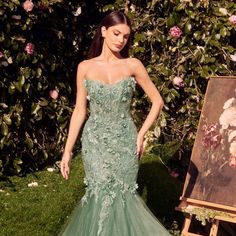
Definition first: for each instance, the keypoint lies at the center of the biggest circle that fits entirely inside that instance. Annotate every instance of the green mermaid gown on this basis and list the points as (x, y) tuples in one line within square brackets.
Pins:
[(111, 205)]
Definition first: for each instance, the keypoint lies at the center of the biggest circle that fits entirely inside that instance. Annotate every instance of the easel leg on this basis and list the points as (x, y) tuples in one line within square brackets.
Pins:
[(214, 228), (187, 223)]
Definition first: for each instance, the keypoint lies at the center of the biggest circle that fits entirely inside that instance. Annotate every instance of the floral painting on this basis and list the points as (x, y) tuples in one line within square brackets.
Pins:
[(212, 171)]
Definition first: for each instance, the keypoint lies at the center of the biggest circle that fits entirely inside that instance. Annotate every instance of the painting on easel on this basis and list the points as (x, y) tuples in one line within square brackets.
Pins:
[(212, 171)]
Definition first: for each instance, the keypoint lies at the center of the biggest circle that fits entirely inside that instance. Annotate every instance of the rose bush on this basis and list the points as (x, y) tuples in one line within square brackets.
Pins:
[(40, 47), (179, 40)]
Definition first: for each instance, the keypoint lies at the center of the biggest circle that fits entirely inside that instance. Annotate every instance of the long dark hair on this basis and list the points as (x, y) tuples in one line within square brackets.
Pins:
[(113, 18)]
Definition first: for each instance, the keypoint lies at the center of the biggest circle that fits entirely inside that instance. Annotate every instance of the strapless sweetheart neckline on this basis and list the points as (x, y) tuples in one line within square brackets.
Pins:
[(113, 84)]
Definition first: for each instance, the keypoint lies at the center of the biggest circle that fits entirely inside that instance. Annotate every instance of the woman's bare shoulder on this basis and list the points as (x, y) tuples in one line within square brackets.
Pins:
[(85, 65), (134, 62)]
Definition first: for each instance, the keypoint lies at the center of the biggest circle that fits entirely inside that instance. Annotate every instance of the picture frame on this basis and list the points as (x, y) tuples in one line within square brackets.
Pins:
[(211, 177)]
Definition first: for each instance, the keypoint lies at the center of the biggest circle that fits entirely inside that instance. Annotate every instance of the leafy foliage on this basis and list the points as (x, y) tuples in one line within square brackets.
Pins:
[(205, 47), (39, 56)]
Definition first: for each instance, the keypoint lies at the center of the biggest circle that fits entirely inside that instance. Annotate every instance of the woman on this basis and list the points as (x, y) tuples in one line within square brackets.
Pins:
[(111, 145)]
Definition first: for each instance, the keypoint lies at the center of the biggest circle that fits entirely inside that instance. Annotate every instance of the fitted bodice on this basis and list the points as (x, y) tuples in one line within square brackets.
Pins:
[(110, 101)]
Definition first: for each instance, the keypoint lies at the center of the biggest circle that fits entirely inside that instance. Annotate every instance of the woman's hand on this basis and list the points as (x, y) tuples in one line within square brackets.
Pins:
[(140, 147), (65, 165)]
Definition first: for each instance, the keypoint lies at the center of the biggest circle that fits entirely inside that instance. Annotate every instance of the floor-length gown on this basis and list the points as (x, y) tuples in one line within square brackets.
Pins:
[(111, 205)]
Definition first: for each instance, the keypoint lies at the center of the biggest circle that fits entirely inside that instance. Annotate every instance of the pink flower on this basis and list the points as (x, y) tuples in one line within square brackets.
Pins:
[(174, 174), (232, 19), (54, 94), (232, 161), (29, 48), (28, 5), (1, 54), (175, 32), (178, 81), (211, 138)]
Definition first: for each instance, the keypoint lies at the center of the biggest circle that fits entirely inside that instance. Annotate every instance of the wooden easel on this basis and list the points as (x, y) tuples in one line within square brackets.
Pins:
[(228, 214), (221, 212)]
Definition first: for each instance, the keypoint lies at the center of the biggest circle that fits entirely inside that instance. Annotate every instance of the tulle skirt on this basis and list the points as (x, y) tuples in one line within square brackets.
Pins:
[(127, 216)]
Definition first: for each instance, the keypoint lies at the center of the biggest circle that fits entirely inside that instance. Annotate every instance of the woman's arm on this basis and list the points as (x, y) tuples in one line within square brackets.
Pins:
[(150, 89), (77, 119)]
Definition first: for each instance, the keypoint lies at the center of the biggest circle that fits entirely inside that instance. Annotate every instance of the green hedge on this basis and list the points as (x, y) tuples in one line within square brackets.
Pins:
[(39, 52), (182, 44)]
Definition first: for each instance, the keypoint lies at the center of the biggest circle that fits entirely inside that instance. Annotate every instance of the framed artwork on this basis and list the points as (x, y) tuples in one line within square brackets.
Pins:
[(211, 175)]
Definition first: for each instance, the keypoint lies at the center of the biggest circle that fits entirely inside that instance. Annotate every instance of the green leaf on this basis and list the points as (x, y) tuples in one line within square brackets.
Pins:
[(35, 108), (223, 32), (162, 121), (8, 27), (38, 72), (11, 88), (170, 21), (28, 21), (197, 35), (53, 67), (4, 129), (29, 142), (45, 154), (187, 28), (22, 80), (183, 109), (174, 94), (17, 162), (27, 87), (19, 108), (43, 102), (39, 115), (229, 48), (180, 6), (35, 60), (18, 119), (7, 119), (157, 131), (39, 86)]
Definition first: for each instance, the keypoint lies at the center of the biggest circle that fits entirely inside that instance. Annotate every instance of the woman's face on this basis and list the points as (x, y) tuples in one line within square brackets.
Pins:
[(116, 37)]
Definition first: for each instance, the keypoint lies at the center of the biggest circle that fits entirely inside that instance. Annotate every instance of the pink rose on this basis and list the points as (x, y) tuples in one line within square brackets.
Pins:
[(174, 174), (1, 54), (28, 5), (232, 19), (178, 81), (232, 161), (175, 32), (54, 94), (29, 48)]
